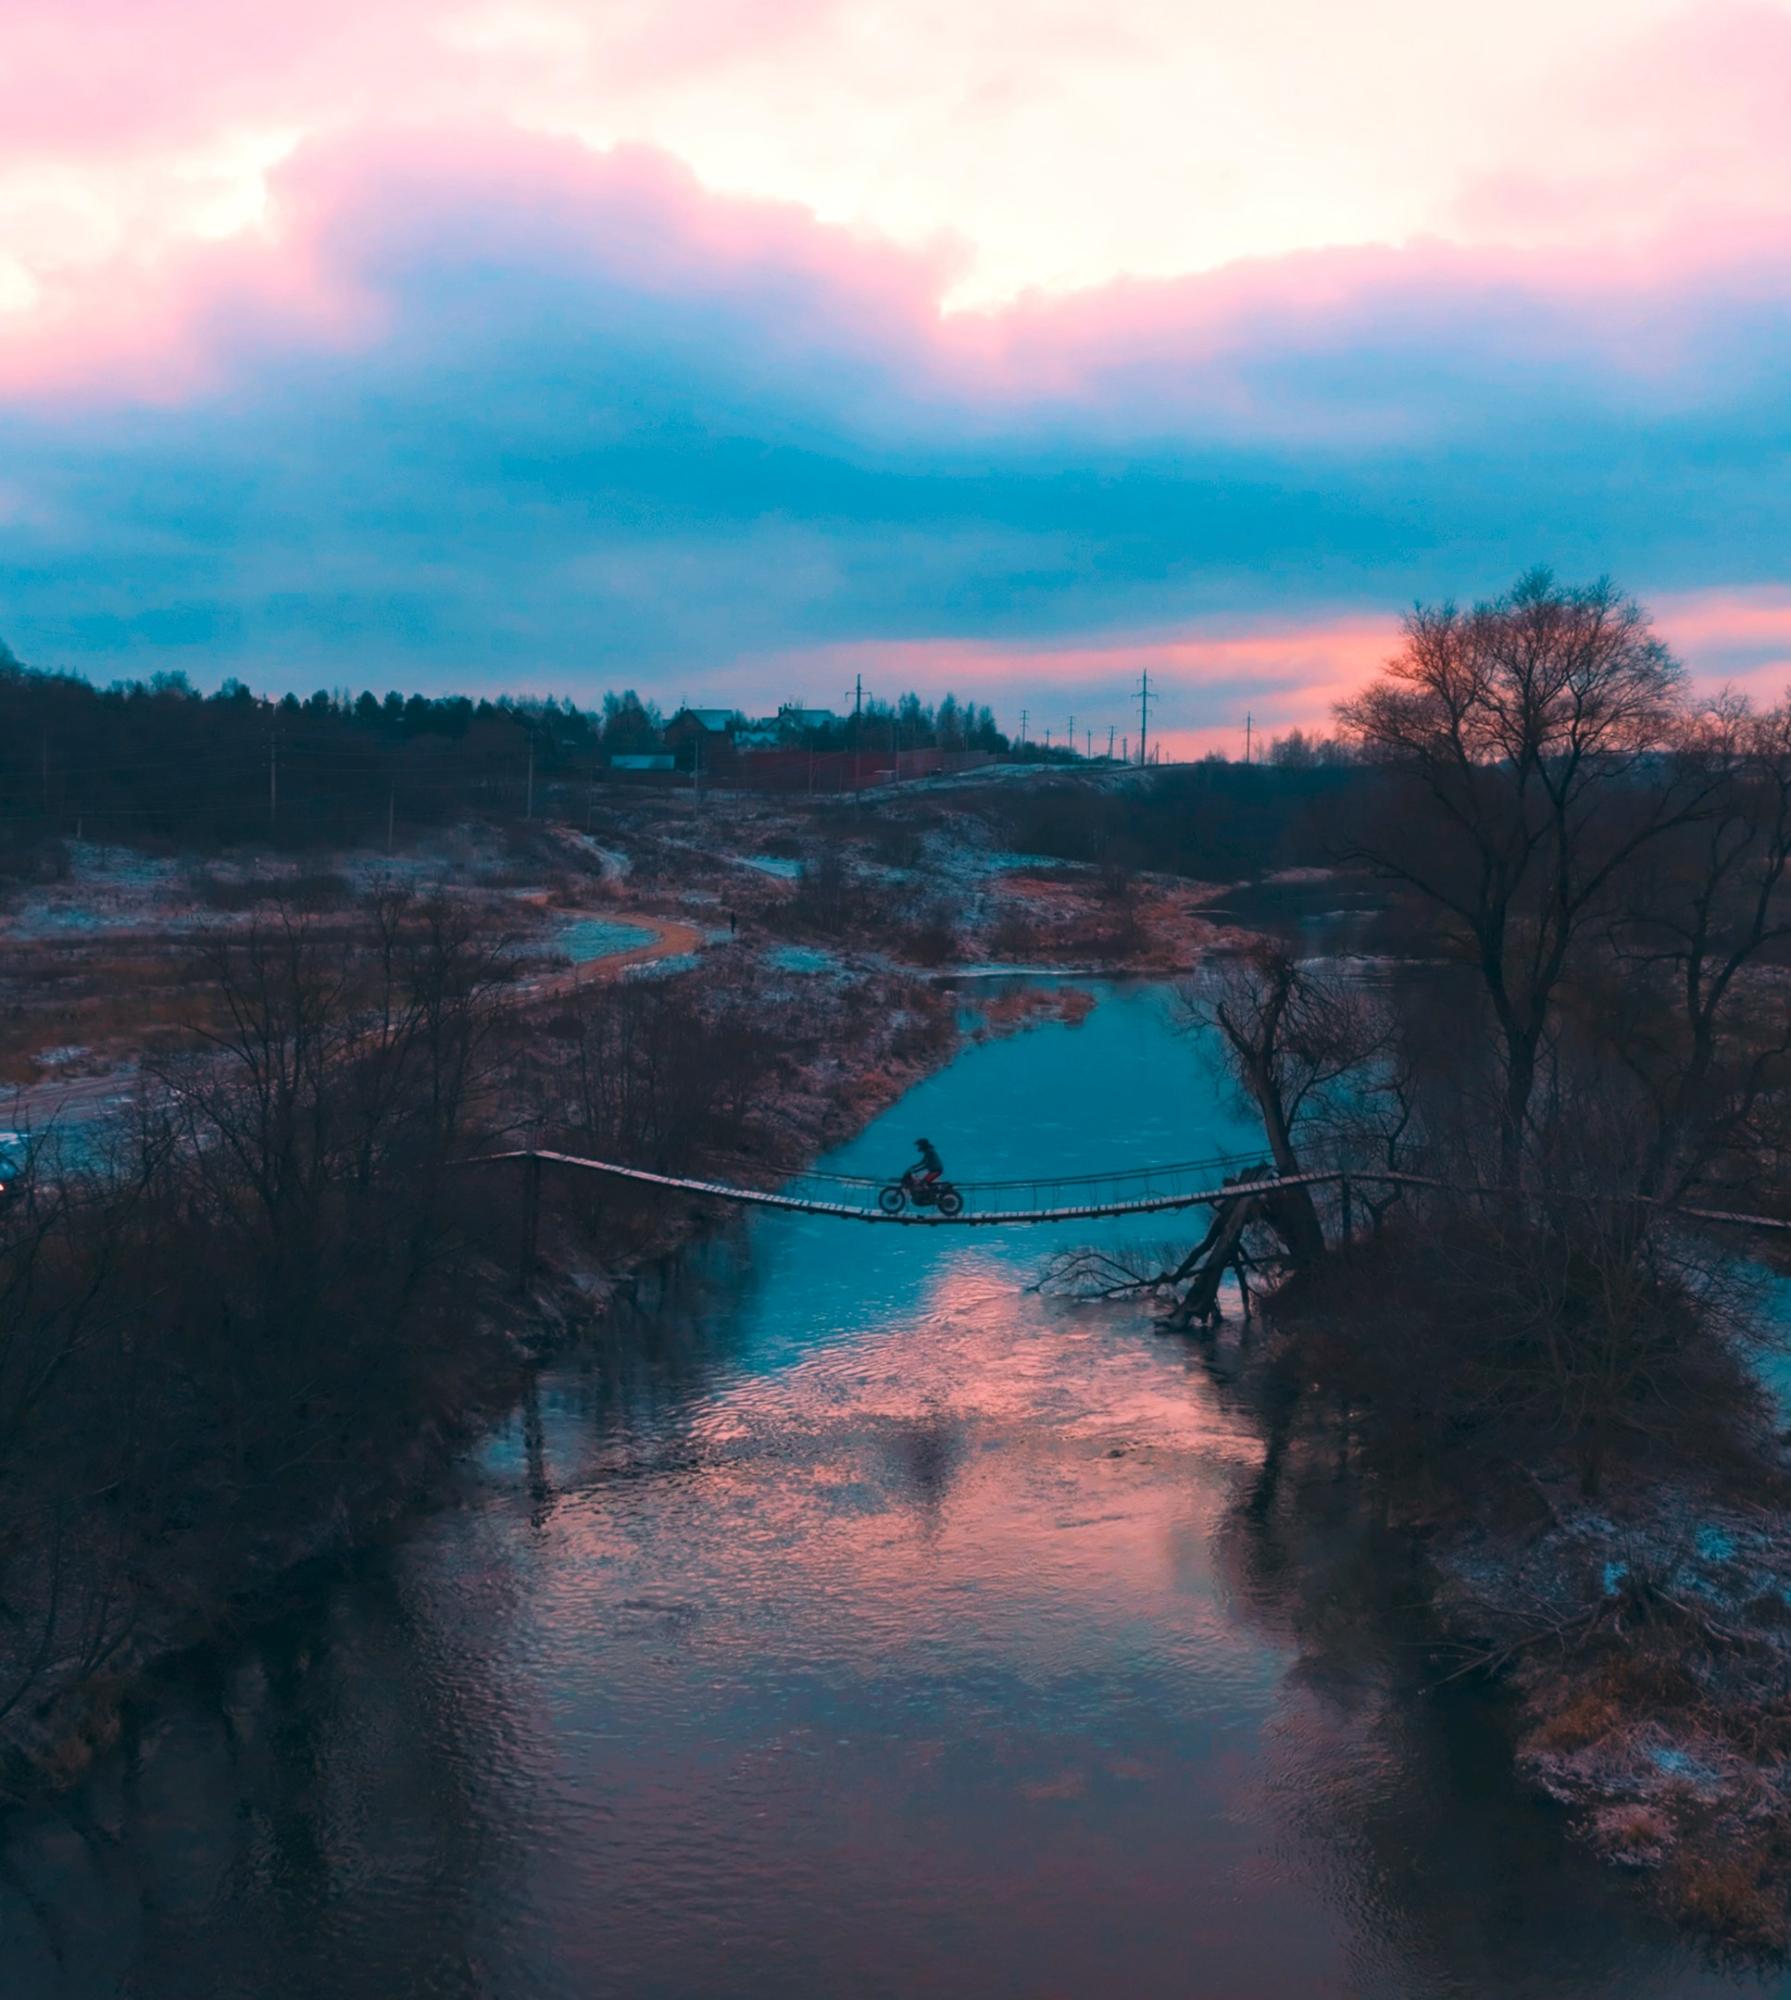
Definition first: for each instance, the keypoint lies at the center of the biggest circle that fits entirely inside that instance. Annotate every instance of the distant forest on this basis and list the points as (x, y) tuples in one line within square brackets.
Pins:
[(155, 760)]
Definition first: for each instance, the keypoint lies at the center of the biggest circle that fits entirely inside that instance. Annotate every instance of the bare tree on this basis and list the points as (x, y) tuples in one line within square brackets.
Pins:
[(1522, 730), (1291, 1035), (1714, 902)]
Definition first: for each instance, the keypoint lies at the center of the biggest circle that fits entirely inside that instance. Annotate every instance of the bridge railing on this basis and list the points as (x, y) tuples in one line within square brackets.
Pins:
[(1339, 1191), (1074, 1188)]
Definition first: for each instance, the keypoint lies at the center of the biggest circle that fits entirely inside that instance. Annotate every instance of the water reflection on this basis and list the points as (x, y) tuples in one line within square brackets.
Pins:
[(847, 1619), (1461, 1881)]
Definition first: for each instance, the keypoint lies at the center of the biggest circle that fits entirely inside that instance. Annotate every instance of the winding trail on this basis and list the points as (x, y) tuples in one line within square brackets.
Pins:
[(672, 938)]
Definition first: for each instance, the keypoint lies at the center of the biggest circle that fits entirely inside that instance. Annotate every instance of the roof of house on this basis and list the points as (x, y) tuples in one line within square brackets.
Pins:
[(707, 718)]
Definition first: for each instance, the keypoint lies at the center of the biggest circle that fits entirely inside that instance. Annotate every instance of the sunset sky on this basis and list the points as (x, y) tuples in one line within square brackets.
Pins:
[(729, 348)]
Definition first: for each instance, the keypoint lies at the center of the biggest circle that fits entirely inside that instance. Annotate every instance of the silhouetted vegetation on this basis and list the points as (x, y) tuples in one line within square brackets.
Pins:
[(156, 761), (1213, 821), (1594, 871), (237, 1327), (221, 1333), (1533, 1346)]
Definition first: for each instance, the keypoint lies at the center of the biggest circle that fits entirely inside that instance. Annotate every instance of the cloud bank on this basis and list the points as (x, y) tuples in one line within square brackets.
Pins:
[(469, 405)]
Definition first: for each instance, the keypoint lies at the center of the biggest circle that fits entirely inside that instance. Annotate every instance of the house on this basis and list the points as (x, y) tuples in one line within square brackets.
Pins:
[(702, 737), (794, 720), (691, 723)]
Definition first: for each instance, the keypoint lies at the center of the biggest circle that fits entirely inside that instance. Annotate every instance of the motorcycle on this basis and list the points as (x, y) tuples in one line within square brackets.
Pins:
[(913, 1188)]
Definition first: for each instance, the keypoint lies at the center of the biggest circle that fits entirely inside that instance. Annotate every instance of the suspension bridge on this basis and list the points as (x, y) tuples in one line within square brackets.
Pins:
[(1091, 1197), (1154, 1190), (1250, 1191)]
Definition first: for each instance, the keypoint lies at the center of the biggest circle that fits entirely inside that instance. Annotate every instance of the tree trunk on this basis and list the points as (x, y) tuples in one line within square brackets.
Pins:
[(1291, 1211), (1520, 1083)]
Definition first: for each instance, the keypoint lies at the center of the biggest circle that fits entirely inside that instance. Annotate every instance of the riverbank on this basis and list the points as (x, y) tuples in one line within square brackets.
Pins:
[(1634, 1605), (1648, 1640), (825, 1060)]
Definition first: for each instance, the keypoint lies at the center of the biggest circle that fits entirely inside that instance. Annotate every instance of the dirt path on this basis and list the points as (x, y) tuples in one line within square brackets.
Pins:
[(673, 938)]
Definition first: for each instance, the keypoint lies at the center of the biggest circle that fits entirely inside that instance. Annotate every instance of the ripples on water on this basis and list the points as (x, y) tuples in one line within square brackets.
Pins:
[(849, 1621)]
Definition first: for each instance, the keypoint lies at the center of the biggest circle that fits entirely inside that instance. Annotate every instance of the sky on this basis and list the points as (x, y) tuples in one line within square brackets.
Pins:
[(730, 349)]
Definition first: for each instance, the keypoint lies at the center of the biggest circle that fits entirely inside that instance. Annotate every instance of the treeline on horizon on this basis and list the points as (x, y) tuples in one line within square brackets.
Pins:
[(156, 760)]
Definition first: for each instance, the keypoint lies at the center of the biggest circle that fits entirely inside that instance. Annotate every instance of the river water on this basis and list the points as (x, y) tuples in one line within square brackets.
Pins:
[(849, 1619)]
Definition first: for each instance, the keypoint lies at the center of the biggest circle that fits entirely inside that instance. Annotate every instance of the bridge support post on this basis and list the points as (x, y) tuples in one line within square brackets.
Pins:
[(531, 1221)]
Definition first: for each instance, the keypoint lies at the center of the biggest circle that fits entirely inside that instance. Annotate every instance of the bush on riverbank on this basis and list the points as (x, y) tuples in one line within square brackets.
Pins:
[(1581, 1344), (1567, 1411), (230, 1336), (720, 1072)]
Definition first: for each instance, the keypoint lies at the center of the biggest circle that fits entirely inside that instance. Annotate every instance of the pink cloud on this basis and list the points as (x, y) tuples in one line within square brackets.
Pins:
[(86, 77), (1675, 138), (1737, 636), (1251, 350), (1665, 173), (348, 219)]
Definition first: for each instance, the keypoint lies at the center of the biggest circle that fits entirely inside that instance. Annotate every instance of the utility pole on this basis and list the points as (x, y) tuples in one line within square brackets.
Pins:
[(1022, 729), (273, 770), (857, 731), (1088, 743), (1247, 727), (1110, 743), (528, 811), (391, 812), (1070, 739), (46, 772), (1144, 701)]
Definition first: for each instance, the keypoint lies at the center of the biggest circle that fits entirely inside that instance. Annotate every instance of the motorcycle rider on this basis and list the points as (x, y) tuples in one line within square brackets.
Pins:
[(931, 1169)]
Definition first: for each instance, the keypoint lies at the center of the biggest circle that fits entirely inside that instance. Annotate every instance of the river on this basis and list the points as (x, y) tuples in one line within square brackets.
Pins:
[(848, 1619)]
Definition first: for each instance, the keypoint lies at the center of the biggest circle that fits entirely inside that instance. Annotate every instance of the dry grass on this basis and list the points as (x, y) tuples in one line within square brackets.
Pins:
[(1732, 1893), (1587, 1716)]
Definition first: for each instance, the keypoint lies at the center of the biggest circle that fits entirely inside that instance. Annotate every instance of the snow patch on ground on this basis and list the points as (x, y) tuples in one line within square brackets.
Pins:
[(803, 958), (660, 968), (586, 939), (1000, 862)]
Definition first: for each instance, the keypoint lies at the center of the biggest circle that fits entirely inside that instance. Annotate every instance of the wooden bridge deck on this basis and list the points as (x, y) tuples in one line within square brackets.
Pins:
[(1085, 1211), (984, 1218)]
